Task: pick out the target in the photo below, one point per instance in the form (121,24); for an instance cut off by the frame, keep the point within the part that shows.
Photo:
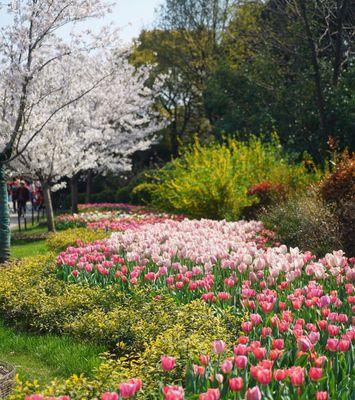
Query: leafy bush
(185,334)
(105,316)
(59,241)
(266,193)
(213,180)
(305,221)
(338,188)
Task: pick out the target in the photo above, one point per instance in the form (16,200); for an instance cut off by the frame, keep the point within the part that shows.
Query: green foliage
(59,241)
(23,248)
(213,180)
(305,221)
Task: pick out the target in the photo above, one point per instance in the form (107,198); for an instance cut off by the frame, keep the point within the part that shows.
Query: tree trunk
(48,205)
(5,234)
(89,177)
(74,194)
(319,92)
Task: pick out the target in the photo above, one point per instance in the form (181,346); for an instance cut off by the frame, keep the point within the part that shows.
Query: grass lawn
(46,357)
(32,229)
(22,248)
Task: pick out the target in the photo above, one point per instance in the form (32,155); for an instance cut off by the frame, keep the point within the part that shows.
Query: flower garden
(188,309)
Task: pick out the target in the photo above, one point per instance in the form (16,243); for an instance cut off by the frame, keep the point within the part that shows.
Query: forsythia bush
(213,180)
(59,241)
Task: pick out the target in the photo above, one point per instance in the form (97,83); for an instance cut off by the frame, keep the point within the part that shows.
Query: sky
(130,15)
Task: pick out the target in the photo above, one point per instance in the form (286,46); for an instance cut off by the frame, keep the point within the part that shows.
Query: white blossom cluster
(70,105)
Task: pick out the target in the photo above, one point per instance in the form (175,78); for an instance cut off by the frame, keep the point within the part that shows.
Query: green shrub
(59,241)
(213,180)
(137,328)
(305,221)
(185,334)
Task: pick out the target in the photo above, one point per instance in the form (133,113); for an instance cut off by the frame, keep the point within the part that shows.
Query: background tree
(185,47)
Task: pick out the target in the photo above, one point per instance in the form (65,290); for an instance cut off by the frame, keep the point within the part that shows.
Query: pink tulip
(296,376)
(227,366)
(219,346)
(127,390)
(241,362)
(173,393)
(303,343)
(253,394)
(109,396)
(168,363)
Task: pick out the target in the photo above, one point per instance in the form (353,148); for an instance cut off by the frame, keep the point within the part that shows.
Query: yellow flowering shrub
(59,241)
(212,181)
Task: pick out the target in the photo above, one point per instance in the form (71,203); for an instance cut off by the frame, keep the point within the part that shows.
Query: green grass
(32,229)
(46,357)
(21,248)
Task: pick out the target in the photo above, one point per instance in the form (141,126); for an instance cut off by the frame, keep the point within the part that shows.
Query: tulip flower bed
(298,339)
(110,206)
(111,220)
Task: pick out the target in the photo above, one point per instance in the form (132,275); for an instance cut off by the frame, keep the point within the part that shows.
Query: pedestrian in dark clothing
(23,196)
(13,190)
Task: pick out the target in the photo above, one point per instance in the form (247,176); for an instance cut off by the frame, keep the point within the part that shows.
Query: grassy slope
(46,357)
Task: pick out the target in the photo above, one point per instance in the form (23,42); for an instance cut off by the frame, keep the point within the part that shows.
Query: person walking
(23,196)
(13,191)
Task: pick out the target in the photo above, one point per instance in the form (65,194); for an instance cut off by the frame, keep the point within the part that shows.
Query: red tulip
(240,350)
(204,360)
(278,344)
(266,331)
(303,343)
(127,390)
(236,384)
(343,345)
(246,326)
(332,344)
(259,353)
(211,394)
(333,330)
(280,374)
(315,373)
(322,396)
(264,376)
(296,376)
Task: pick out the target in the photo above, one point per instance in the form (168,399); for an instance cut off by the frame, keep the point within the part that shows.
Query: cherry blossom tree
(100,130)
(30,47)
(123,110)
